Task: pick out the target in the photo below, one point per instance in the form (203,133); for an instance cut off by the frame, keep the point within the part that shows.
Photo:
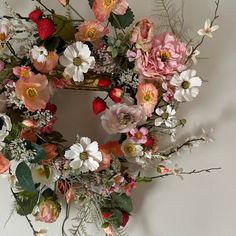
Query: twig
(40,2)
(66,218)
(11,49)
(76,12)
(216,16)
(187,173)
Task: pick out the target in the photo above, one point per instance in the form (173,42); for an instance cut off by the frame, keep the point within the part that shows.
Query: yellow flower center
(84,156)
(91,33)
(165,116)
(148,96)
(130,150)
(77,61)
(31,93)
(3,37)
(138,135)
(185,85)
(108,3)
(164,55)
(24,74)
(41,172)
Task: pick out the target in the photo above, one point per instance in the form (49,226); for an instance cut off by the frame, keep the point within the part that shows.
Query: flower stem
(76,12)
(44,6)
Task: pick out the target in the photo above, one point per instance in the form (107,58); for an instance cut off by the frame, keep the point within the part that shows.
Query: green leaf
(40,153)
(65,28)
(26,201)
(91,3)
(143,179)
(24,176)
(122,201)
(48,194)
(121,22)
(52,43)
(116,218)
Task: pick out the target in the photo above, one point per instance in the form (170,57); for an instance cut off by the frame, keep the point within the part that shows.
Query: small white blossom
(78,60)
(167,117)
(39,53)
(42,232)
(85,156)
(5,126)
(187,85)
(208,29)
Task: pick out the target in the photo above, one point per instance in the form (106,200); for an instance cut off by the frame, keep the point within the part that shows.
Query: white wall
(200,205)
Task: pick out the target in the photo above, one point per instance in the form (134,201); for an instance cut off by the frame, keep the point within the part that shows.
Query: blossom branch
(216,16)
(187,173)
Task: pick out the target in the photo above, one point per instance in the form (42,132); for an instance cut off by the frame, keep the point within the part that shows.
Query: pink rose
(4,164)
(142,34)
(49,211)
(166,57)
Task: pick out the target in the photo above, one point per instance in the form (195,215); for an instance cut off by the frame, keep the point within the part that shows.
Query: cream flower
(42,232)
(167,117)
(5,126)
(208,29)
(40,175)
(84,156)
(39,53)
(131,150)
(78,60)
(187,85)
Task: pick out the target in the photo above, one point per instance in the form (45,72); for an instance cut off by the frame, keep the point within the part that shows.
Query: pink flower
(132,55)
(22,72)
(49,211)
(129,187)
(139,135)
(91,31)
(4,32)
(2,65)
(33,92)
(142,34)
(168,96)
(103,8)
(147,97)
(166,57)
(4,164)
(49,64)
(121,118)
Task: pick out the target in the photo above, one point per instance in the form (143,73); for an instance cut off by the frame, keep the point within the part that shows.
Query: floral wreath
(145,73)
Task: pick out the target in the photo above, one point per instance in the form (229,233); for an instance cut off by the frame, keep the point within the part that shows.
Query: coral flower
(103,8)
(4,164)
(33,92)
(91,31)
(113,147)
(22,72)
(147,96)
(48,65)
(50,153)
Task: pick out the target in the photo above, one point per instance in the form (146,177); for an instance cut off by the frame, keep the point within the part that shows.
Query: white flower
(186,84)
(78,60)
(5,127)
(167,117)
(84,156)
(39,53)
(208,29)
(194,55)
(131,149)
(41,232)
(40,175)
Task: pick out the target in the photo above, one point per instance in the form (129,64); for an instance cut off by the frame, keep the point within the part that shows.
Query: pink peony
(103,8)
(33,92)
(49,64)
(142,35)
(121,118)
(139,135)
(22,72)
(49,211)
(166,57)
(147,97)
(4,164)
(91,31)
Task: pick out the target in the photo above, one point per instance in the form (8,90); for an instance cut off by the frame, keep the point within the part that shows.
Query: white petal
(76,164)
(85,141)
(70,52)
(65,61)
(159,112)
(77,148)
(91,164)
(178,95)
(70,155)
(207,24)
(214,28)
(78,76)
(194,92)
(158,121)
(92,147)
(97,156)
(84,51)
(169,109)
(201,32)
(195,82)
(70,69)
(176,81)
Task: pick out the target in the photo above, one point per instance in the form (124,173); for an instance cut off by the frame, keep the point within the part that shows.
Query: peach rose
(4,164)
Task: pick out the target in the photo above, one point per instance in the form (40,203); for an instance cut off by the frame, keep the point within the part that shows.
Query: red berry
(99,105)
(46,28)
(63,186)
(125,218)
(104,83)
(106,215)
(149,142)
(35,15)
(116,94)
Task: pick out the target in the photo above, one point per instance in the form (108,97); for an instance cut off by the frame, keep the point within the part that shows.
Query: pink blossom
(22,72)
(2,65)
(133,55)
(142,34)
(168,96)
(129,187)
(166,57)
(139,135)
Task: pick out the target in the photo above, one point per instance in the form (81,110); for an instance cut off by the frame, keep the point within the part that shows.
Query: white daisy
(208,29)
(186,84)
(84,156)
(167,117)
(39,53)
(78,60)
(5,127)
